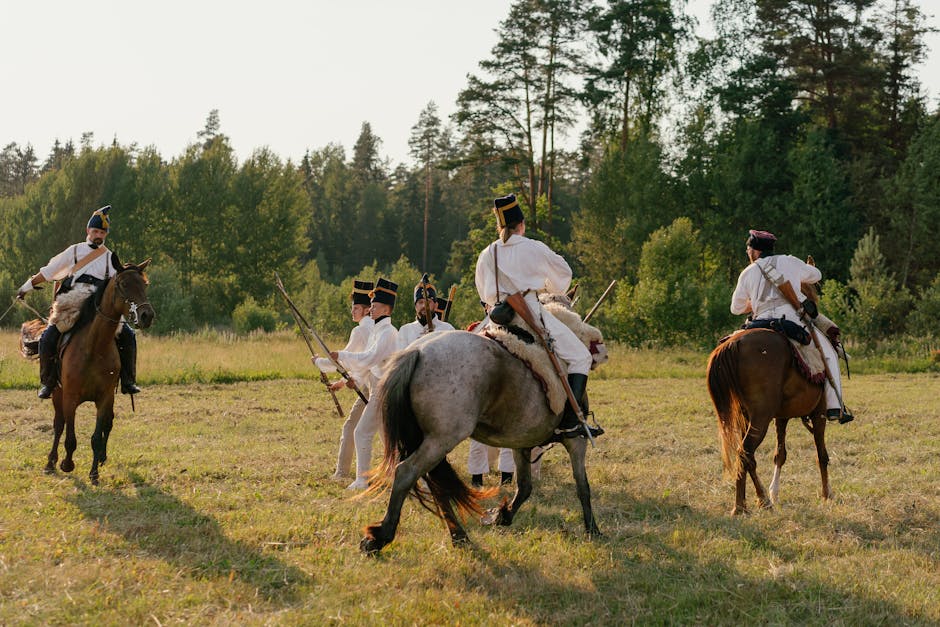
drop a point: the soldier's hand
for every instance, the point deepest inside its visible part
(336, 386)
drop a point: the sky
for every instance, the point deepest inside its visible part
(290, 75)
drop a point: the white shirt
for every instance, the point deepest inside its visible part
(59, 266)
(524, 264)
(383, 343)
(763, 297)
(358, 340)
(408, 333)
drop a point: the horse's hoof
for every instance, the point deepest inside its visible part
(93, 479)
(492, 516)
(766, 505)
(594, 532)
(370, 546)
(49, 469)
(460, 539)
(737, 511)
(67, 465)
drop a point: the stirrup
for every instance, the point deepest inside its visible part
(45, 391)
(130, 388)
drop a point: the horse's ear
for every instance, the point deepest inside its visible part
(810, 261)
(571, 292)
(143, 264)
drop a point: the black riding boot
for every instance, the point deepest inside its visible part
(127, 349)
(48, 344)
(570, 426)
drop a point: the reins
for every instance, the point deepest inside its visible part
(133, 306)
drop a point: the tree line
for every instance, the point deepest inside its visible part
(802, 117)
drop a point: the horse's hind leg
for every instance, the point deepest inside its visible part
(99, 439)
(753, 438)
(458, 535)
(407, 473)
(780, 458)
(506, 511)
(822, 455)
(58, 426)
(577, 451)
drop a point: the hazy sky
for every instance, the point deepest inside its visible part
(292, 75)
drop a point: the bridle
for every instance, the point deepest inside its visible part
(132, 306)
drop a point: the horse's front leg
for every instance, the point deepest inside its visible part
(751, 442)
(506, 511)
(99, 439)
(58, 426)
(69, 407)
(780, 458)
(577, 451)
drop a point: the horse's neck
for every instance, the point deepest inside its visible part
(104, 326)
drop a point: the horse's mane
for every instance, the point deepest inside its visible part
(87, 313)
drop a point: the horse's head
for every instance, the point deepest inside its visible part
(810, 290)
(130, 288)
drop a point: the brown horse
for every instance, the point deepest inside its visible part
(90, 365)
(753, 380)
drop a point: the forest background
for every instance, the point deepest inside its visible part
(803, 117)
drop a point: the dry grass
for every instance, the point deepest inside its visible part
(215, 507)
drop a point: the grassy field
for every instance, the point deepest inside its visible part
(216, 507)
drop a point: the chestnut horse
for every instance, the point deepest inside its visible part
(90, 365)
(753, 380)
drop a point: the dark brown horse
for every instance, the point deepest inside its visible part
(753, 380)
(90, 365)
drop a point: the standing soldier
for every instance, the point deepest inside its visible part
(82, 268)
(383, 343)
(425, 297)
(358, 340)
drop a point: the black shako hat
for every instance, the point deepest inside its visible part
(424, 286)
(360, 293)
(100, 219)
(385, 292)
(761, 240)
(507, 210)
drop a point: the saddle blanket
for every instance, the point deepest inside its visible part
(535, 357)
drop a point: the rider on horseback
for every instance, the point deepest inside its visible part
(529, 266)
(82, 268)
(758, 295)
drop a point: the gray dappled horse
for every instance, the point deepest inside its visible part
(441, 390)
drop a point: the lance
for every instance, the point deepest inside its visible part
(450, 303)
(600, 300)
(299, 320)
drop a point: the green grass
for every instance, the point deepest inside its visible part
(216, 507)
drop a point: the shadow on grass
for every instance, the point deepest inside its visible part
(165, 527)
(646, 576)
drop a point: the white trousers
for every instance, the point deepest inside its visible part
(568, 348)
(478, 461)
(346, 440)
(363, 434)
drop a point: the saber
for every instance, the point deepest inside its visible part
(8, 310)
(600, 300)
(32, 309)
(450, 303)
(323, 378)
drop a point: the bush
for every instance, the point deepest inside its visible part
(250, 316)
(923, 321)
(173, 308)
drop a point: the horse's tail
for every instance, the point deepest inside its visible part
(724, 385)
(403, 436)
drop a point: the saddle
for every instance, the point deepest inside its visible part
(806, 357)
(517, 338)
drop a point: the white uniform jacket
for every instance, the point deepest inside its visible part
(765, 300)
(59, 266)
(383, 343)
(408, 333)
(524, 264)
(358, 340)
